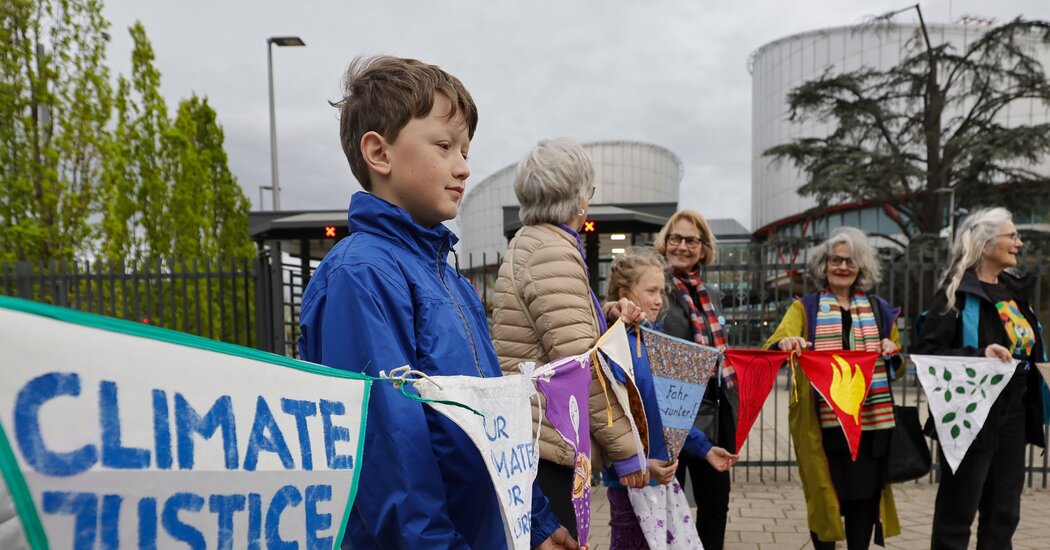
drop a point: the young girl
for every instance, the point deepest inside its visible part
(638, 275)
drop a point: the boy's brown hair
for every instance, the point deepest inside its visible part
(383, 93)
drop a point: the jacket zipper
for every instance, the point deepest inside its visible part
(462, 318)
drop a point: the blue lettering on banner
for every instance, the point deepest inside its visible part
(82, 506)
(679, 401)
(316, 521)
(161, 430)
(515, 460)
(224, 506)
(111, 521)
(114, 454)
(254, 520)
(30, 398)
(148, 524)
(499, 428)
(523, 527)
(300, 410)
(259, 441)
(333, 433)
(188, 422)
(286, 496)
(175, 527)
(97, 518)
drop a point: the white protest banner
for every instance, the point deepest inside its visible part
(503, 435)
(121, 435)
(960, 391)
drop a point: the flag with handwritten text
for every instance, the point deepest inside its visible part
(681, 371)
(503, 434)
(115, 434)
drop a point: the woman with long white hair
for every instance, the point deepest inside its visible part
(979, 285)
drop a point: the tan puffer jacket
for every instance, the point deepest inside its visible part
(543, 271)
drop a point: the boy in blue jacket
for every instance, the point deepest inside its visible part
(386, 296)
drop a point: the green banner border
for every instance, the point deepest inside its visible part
(16, 483)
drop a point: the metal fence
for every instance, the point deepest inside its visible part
(757, 292)
(257, 302)
(210, 298)
(756, 296)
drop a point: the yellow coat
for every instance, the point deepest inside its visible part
(822, 505)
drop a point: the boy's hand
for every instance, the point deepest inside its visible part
(661, 471)
(721, 459)
(560, 539)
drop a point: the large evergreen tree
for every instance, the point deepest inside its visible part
(934, 121)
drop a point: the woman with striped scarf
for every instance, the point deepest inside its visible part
(845, 499)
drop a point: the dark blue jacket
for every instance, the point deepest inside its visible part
(696, 443)
(385, 297)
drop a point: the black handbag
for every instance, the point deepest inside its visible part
(909, 457)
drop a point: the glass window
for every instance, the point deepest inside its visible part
(869, 220)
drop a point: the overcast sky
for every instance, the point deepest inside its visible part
(673, 73)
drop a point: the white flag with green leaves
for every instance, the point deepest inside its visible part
(960, 391)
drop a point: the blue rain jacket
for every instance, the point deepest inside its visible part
(696, 443)
(384, 297)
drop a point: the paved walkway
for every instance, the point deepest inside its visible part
(772, 515)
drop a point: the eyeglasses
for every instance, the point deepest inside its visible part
(591, 194)
(1012, 236)
(674, 239)
(840, 260)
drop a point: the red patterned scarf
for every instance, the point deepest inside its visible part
(709, 334)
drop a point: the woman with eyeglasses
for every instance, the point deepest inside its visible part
(843, 497)
(694, 313)
(991, 476)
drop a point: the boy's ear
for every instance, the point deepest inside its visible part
(373, 150)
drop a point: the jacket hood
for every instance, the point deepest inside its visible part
(371, 214)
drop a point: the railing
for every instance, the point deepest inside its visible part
(256, 303)
(210, 298)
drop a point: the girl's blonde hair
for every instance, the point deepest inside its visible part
(627, 269)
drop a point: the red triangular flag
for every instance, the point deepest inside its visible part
(842, 378)
(756, 370)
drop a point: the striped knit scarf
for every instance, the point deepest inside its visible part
(877, 411)
(715, 337)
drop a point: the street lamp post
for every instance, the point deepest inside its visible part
(274, 180)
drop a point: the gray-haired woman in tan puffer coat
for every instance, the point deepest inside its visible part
(545, 310)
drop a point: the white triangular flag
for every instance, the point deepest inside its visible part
(960, 391)
(633, 409)
(503, 436)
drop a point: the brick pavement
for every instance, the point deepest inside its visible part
(772, 516)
